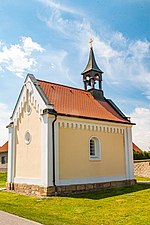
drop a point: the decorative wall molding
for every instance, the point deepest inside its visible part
(29, 94)
(19, 106)
(92, 127)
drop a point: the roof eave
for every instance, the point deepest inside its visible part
(92, 69)
(93, 118)
(39, 89)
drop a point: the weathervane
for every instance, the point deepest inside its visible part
(91, 43)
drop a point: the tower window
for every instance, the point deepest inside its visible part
(94, 149)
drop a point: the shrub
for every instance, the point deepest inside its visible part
(141, 155)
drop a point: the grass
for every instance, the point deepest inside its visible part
(128, 205)
(119, 206)
(142, 179)
(3, 177)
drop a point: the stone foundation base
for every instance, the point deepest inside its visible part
(30, 189)
(70, 189)
(65, 190)
(3, 170)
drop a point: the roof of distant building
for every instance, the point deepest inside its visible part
(136, 148)
(4, 148)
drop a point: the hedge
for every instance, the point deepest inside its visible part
(141, 155)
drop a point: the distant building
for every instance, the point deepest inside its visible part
(136, 148)
(4, 157)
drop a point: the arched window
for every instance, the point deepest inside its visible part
(94, 149)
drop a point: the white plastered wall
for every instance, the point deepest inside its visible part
(29, 163)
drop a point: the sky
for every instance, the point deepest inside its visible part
(50, 39)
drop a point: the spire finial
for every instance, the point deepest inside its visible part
(91, 43)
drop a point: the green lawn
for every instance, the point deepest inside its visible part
(120, 206)
(3, 180)
(142, 179)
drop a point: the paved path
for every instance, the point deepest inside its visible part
(9, 219)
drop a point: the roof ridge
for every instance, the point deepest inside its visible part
(63, 85)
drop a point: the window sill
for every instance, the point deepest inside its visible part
(94, 159)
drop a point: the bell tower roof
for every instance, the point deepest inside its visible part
(92, 65)
(92, 76)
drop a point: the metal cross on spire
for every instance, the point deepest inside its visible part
(91, 43)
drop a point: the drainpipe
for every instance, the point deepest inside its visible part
(53, 112)
(53, 140)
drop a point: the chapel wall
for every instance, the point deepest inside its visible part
(28, 156)
(74, 153)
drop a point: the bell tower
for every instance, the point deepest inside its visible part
(92, 76)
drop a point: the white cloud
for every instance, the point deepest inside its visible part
(29, 46)
(57, 23)
(139, 48)
(124, 61)
(79, 30)
(103, 47)
(119, 39)
(121, 59)
(19, 58)
(1, 43)
(141, 131)
(55, 62)
(4, 121)
(60, 7)
(60, 17)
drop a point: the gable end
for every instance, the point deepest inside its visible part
(31, 91)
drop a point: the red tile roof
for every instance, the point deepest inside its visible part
(4, 148)
(77, 102)
(136, 148)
